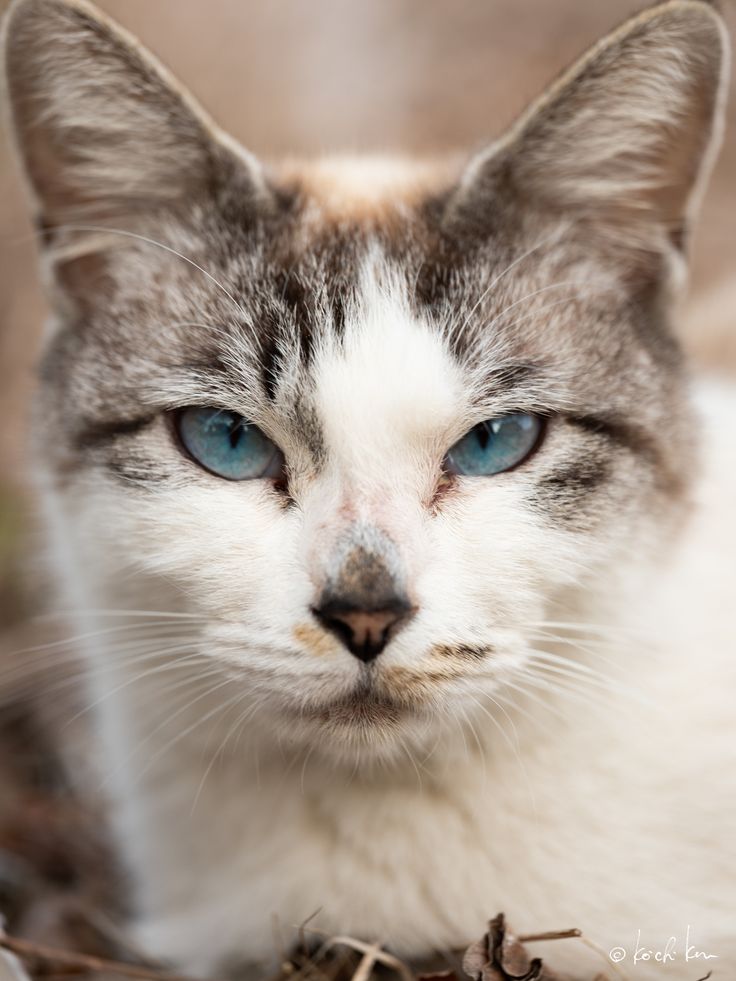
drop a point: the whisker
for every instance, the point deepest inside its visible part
(166, 248)
(608, 629)
(94, 611)
(534, 313)
(104, 631)
(532, 696)
(512, 744)
(524, 299)
(554, 664)
(507, 717)
(182, 734)
(413, 762)
(42, 669)
(571, 664)
(169, 665)
(607, 652)
(304, 769)
(234, 702)
(587, 696)
(505, 698)
(505, 272)
(481, 751)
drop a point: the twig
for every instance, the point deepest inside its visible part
(84, 963)
(382, 956)
(303, 926)
(367, 962)
(530, 938)
(573, 934)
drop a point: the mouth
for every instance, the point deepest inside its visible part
(392, 696)
(364, 707)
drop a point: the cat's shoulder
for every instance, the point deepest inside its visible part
(715, 404)
(697, 588)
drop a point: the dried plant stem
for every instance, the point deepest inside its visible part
(530, 938)
(64, 961)
(367, 963)
(379, 955)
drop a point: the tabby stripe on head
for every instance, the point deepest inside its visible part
(622, 434)
(94, 433)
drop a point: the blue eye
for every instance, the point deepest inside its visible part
(224, 443)
(494, 446)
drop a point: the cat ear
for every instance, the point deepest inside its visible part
(622, 143)
(102, 128)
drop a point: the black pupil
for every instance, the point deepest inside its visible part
(482, 435)
(235, 431)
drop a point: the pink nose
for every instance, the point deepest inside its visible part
(364, 632)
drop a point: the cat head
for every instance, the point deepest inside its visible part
(372, 423)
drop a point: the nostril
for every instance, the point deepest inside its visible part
(335, 625)
(364, 632)
(364, 601)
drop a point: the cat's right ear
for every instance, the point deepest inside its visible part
(621, 145)
(102, 129)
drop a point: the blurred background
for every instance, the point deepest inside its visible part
(291, 77)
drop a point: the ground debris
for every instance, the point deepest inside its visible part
(63, 900)
(501, 955)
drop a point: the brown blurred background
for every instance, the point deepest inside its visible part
(289, 76)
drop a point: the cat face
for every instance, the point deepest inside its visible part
(372, 423)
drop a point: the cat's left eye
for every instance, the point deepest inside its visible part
(496, 445)
(224, 443)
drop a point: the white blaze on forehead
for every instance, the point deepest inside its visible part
(389, 394)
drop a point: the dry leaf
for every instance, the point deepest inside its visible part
(499, 956)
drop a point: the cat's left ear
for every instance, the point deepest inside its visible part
(622, 143)
(102, 128)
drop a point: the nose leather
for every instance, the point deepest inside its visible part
(364, 604)
(364, 632)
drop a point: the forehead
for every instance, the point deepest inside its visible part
(366, 289)
(351, 303)
(389, 378)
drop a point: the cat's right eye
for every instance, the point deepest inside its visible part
(224, 443)
(496, 445)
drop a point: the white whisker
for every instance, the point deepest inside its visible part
(512, 265)
(166, 248)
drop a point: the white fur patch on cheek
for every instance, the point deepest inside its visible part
(492, 564)
(226, 544)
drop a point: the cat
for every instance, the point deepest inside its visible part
(401, 541)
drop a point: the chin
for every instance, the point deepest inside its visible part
(377, 722)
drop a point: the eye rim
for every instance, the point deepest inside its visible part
(542, 420)
(278, 479)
